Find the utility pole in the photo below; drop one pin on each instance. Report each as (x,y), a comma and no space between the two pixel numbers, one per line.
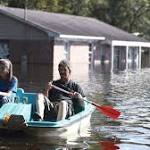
(25,9)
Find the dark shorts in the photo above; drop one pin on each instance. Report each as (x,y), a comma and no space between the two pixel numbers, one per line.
(5,99)
(51,110)
(78,105)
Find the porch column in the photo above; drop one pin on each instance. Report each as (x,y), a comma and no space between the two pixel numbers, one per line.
(93,53)
(140,55)
(112,58)
(127,50)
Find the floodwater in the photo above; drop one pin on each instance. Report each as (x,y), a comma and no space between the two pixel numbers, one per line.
(129,92)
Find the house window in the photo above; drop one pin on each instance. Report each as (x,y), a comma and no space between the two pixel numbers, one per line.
(119,57)
(4,49)
(133,57)
(67,50)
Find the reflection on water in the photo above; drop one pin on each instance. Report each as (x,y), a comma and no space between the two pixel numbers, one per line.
(127,91)
(21,141)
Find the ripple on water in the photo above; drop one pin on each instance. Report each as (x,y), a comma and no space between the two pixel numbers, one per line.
(130,93)
(133,147)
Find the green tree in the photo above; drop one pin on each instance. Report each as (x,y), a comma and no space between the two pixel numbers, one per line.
(75,7)
(98,9)
(129,15)
(16,3)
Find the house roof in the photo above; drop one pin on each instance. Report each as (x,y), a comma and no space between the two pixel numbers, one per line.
(63,24)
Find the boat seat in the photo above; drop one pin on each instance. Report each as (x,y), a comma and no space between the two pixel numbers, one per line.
(19,95)
(22,97)
(19,109)
(26,98)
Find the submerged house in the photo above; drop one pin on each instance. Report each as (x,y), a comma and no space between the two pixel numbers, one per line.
(45,38)
(32,37)
(123,50)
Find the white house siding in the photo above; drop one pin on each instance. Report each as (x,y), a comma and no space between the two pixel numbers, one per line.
(79,54)
(58,55)
(79,59)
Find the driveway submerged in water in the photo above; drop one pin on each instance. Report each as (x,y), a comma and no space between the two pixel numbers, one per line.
(129,92)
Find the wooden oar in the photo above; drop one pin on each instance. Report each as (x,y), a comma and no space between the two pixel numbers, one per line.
(107,110)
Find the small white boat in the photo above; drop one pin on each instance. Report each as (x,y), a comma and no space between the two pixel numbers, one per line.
(18,116)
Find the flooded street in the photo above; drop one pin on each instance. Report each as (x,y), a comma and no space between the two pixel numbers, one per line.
(129,92)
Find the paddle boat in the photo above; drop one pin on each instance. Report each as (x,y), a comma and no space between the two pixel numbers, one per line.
(18,116)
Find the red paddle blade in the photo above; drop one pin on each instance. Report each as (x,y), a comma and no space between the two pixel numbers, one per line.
(108,111)
(108,145)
